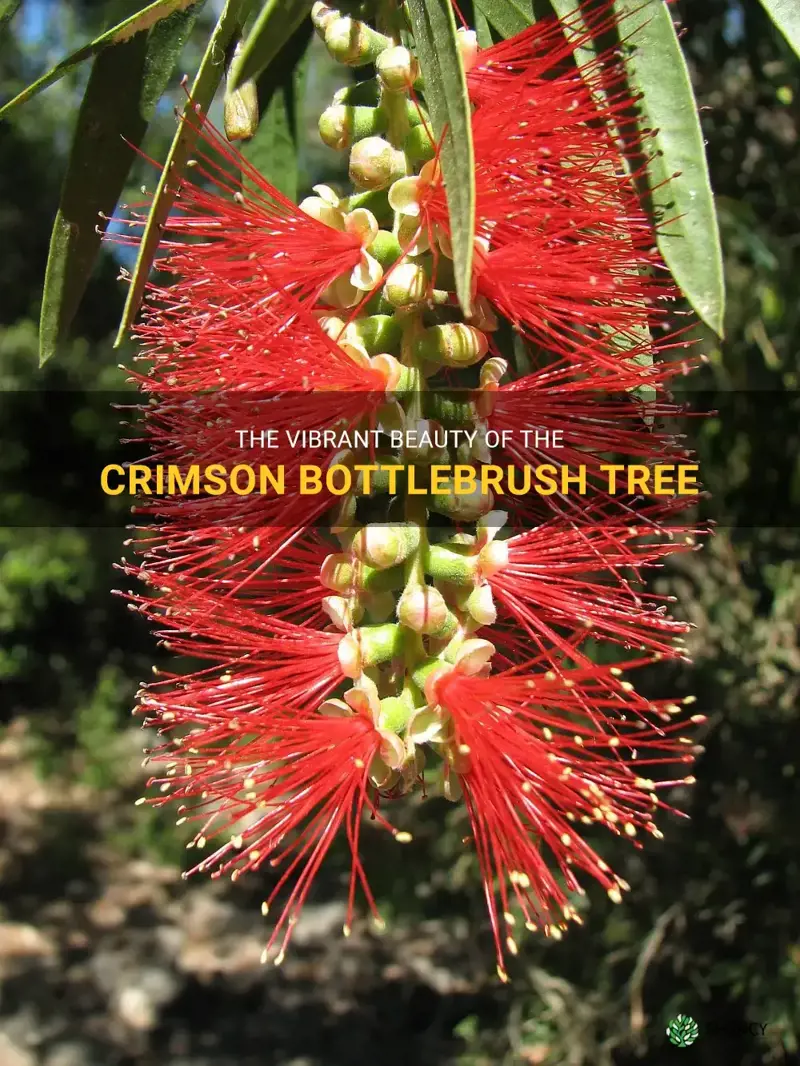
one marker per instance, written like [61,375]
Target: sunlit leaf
[677,169]
[8,9]
[273,27]
[508,17]
[446,96]
[786,16]
[123,31]
[124,87]
[209,76]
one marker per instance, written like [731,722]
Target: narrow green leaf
[272,29]
[123,31]
[678,171]
[786,16]
[8,9]
[567,9]
[446,96]
[507,16]
[482,30]
[124,87]
[206,82]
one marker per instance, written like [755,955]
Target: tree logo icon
[683,1031]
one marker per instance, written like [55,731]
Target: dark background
[108,959]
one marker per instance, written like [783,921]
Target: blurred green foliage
[711,927]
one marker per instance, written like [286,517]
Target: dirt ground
[108,960]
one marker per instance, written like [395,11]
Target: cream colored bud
[474,655]
[423,609]
[374,163]
[493,558]
[468,48]
[406,285]
[480,606]
[397,68]
[336,572]
[344,613]
[384,546]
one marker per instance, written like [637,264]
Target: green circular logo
[683,1031]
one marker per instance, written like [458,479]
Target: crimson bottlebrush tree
[510,264]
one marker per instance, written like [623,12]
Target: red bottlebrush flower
[564,249]
[246,247]
[536,756]
[280,788]
[557,578]
[262,662]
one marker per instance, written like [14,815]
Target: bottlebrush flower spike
[359,635]
[557,578]
[246,246]
[536,755]
[279,788]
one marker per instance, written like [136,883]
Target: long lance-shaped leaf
[508,17]
[786,16]
[8,9]
[124,87]
[275,24]
[142,20]
[677,169]
[434,30]
[209,75]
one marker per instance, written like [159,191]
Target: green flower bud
[354,43]
[454,410]
[374,163]
[466,507]
[395,712]
[369,646]
[385,248]
[336,573]
[385,546]
[367,93]
[376,201]
[322,16]
[240,106]
[454,344]
[406,285]
[397,68]
[444,564]
[423,609]
[378,333]
[341,125]
[419,145]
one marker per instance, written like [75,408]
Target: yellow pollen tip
[614,894]
[501,973]
[403,837]
[511,944]
[265,908]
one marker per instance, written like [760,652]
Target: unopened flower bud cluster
[411,600]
